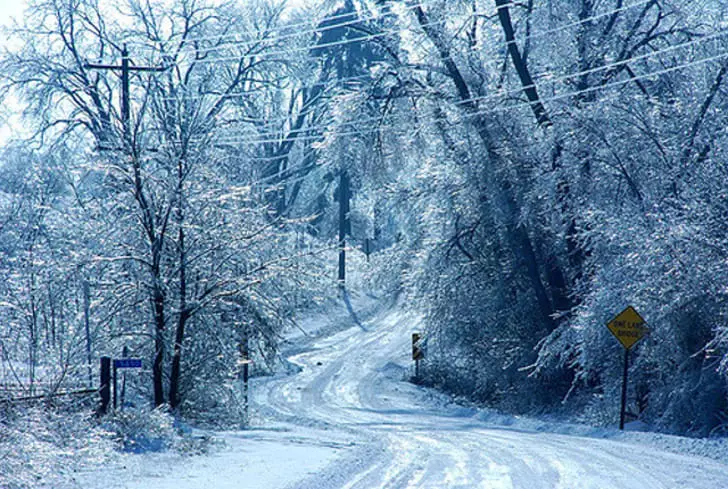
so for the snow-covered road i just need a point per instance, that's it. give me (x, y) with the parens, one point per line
(351, 388)
(349, 420)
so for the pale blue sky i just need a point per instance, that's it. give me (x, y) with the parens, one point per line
(10, 8)
(13, 9)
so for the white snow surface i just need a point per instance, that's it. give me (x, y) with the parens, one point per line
(349, 420)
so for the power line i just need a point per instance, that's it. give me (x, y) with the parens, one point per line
(504, 108)
(343, 42)
(257, 41)
(616, 83)
(287, 27)
(333, 82)
(500, 94)
(597, 69)
(535, 36)
(548, 32)
(295, 169)
(392, 32)
(589, 19)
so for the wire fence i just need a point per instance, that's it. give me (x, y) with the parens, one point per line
(47, 396)
(12, 393)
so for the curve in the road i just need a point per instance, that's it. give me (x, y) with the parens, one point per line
(352, 383)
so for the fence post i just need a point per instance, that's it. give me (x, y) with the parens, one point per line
(105, 385)
(116, 388)
(246, 362)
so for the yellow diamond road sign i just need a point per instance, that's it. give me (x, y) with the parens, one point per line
(628, 327)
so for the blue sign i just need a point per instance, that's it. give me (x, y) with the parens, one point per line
(128, 363)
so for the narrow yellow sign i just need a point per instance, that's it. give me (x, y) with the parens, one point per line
(417, 353)
(628, 327)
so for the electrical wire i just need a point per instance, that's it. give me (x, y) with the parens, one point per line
(297, 168)
(347, 15)
(394, 32)
(504, 93)
(531, 37)
(257, 41)
(385, 34)
(493, 110)
(534, 36)
(332, 82)
(304, 49)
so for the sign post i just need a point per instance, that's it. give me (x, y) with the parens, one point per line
(417, 353)
(124, 354)
(245, 362)
(628, 327)
(367, 247)
(124, 363)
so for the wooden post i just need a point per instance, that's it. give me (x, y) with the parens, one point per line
(343, 224)
(245, 354)
(105, 385)
(125, 97)
(245, 390)
(417, 353)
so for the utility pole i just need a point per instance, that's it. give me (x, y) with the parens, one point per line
(344, 226)
(126, 69)
(127, 147)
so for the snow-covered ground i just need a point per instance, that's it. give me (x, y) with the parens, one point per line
(348, 420)
(258, 458)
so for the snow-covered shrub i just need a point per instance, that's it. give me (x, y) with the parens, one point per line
(142, 430)
(43, 446)
(215, 404)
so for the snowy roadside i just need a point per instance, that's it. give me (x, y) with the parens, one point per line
(252, 459)
(289, 450)
(713, 448)
(269, 455)
(355, 379)
(635, 434)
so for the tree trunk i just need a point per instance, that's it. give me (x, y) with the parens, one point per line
(159, 324)
(518, 237)
(174, 380)
(554, 274)
(529, 88)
